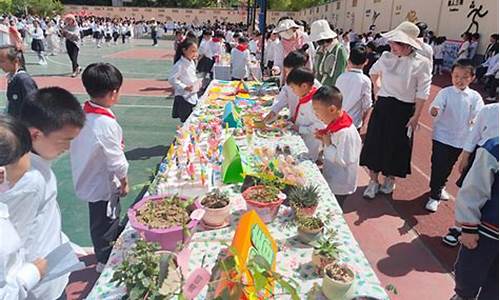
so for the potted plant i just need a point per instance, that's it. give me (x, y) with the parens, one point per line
(217, 208)
(168, 220)
(265, 200)
(326, 251)
(337, 280)
(304, 199)
(309, 228)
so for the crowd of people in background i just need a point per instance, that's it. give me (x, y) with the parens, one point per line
(330, 80)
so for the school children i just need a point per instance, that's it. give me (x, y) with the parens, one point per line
(476, 268)
(54, 117)
(240, 61)
(454, 110)
(205, 62)
(302, 83)
(20, 192)
(341, 143)
(216, 46)
(438, 49)
(37, 44)
(98, 162)
(184, 80)
(19, 83)
(356, 87)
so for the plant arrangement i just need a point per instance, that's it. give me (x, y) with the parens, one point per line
(337, 280)
(309, 228)
(217, 208)
(265, 200)
(326, 251)
(304, 199)
(164, 214)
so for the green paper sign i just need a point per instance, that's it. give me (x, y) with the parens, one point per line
(233, 166)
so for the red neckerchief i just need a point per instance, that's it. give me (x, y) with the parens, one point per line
(88, 108)
(216, 40)
(343, 122)
(304, 100)
(242, 47)
(92, 109)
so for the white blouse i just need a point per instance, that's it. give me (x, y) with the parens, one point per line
(183, 75)
(405, 78)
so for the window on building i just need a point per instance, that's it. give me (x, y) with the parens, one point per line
(338, 5)
(354, 3)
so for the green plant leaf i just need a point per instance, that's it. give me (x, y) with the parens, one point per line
(260, 281)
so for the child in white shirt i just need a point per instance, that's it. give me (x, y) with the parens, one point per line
(438, 51)
(216, 46)
(454, 110)
(240, 61)
(184, 80)
(54, 117)
(356, 87)
(98, 163)
(341, 143)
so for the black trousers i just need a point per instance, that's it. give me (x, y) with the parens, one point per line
(443, 159)
(72, 50)
(154, 36)
(103, 229)
(478, 269)
(341, 200)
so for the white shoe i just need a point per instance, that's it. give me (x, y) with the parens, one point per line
(432, 205)
(388, 186)
(445, 195)
(100, 267)
(371, 190)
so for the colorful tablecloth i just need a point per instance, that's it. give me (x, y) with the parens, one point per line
(294, 257)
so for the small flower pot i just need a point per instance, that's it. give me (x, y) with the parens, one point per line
(336, 289)
(306, 211)
(267, 211)
(320, 261)
(307, 235)
(216, 217)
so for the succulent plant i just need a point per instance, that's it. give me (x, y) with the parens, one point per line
(216, 199)
(309, 222)
(304, 196)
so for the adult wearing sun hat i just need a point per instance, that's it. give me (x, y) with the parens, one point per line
(71, 32)
(331, 56)
(402, 82)
(291, 39)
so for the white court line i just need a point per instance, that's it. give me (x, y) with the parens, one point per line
(130, 106)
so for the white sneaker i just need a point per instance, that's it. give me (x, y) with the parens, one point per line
(388, 186)
(445, 195)
(371, 190)
(99, 267)
(432, 205)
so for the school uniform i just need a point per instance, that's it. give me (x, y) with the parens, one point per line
(269, 52)
(206, 63)
(240, 63)
(457, 111)
(330, 63)
(37, 42)
(215, 49)
(49, 233)
(19, 86)
(476, 270)
(438, 55)
(183, 75)
(17, 275)
(387, 147)
(341, 158)
(97, 164)
(356, 89)
(463, 51)
(252, 46)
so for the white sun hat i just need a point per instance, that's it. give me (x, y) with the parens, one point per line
(285, 25)
(320, 30)
(406, 33)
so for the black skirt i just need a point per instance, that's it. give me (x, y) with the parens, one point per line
(37, 45)
(387, 147)
(182, 109)
(205, 65)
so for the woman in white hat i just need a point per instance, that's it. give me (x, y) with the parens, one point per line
(402, 82)
(331, 56)
(291, 39)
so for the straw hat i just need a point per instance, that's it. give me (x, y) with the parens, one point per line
(320, 30)
(285, 25)
(406, 33)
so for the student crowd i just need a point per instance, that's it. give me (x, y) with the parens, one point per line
(331, 82)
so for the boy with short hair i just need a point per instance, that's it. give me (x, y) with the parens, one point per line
(476, 269)
(356, 87)
(341, 143)
(98, 163)
(301, 81)
(454, 110)
(54, 117)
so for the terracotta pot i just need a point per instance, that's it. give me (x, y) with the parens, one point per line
(215, 217)
(306, 211)
(266, 211)
(307, 235)
(334, 289)
(168, 238)
(320, 261)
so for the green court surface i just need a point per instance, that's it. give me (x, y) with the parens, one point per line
(146, 121)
